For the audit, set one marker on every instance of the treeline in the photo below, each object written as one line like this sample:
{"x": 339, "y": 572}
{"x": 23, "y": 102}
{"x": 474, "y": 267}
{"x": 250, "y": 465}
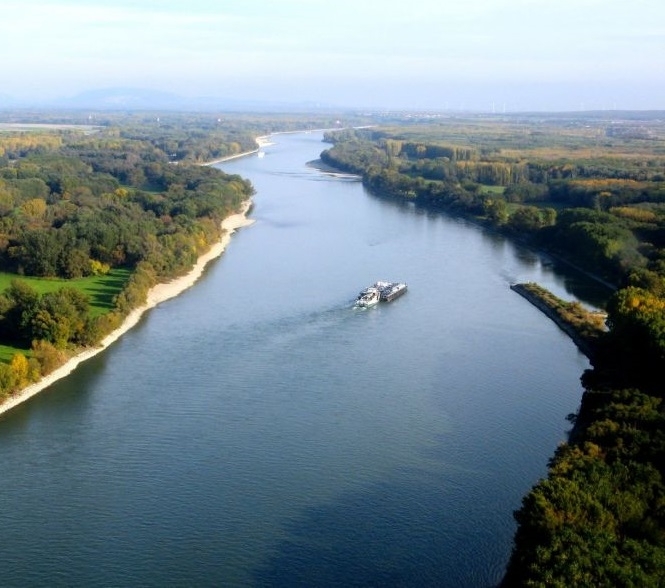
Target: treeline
{"x": 208, "y": 141}
{"x": 598, "y": 519}
{"x": 100, "y": 202}
{"x": 75, "y": 204}
{"x": 498, "y": 161}
{"x": 618, "y": 224}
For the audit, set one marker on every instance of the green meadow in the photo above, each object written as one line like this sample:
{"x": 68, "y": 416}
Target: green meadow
{"x": 101, "y": 291}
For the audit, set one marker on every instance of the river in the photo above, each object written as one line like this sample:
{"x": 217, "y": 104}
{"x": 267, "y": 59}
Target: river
{"x": 259, "y": 431}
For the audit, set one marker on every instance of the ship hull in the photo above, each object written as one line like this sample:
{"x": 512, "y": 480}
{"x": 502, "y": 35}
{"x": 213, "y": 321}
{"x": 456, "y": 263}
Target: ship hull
{"x": 395, "y": 294}
{"x": 380, "y": 292}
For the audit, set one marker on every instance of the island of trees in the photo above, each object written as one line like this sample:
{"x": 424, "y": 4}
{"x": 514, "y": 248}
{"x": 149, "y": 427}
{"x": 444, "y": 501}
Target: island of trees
{"x": 589, "y": 189}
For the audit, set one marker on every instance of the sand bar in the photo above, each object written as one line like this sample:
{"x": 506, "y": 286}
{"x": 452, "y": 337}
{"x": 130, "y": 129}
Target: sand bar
{"x": 157, "y": 294}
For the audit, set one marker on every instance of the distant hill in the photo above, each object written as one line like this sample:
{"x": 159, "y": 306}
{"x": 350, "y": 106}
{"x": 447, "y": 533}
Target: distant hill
{"x": 122, "y": 99}
{"x": 136, "y": 99}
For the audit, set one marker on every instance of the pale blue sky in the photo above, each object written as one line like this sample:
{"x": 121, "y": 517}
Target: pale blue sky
{"x": 436, "y": 54}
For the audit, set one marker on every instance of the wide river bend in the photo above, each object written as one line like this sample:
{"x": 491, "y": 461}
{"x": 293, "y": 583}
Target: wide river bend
{"x": 259, "y": 431}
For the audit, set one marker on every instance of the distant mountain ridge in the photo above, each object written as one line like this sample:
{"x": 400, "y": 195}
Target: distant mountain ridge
{"x": 142, "y": 99}
{"x": 122, "y": 99}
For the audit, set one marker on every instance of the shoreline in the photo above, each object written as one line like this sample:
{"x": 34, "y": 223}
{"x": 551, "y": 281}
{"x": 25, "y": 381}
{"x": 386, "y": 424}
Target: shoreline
{"x": 262, "y": 141}
{"x": 156, "y": 295}
{"x": 583, "y": 343}
{"x": 332, "y": 171}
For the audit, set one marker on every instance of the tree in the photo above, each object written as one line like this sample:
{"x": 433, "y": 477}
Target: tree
{"x": 47, "y": 355}
{"x": 526, "y": 219}
{"x": 34, "y": 208}
{"x": 496, "y": 210}
{"x": 18, "y": 303}
{"x": 14, "y": 375}
{"x": 61, "y": 317}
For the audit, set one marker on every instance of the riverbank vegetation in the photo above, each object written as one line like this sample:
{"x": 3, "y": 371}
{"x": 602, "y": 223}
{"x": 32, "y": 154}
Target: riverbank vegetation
{"x": 97, "y": 209}
{"x": 585, "y": 327}
{"x": 591, "y": 190}
{"x": 92, "y": 217}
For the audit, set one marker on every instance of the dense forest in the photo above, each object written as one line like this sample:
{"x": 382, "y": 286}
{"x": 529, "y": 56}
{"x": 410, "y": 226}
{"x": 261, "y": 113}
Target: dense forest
{"x": 96, "y": 209}
{"x": 590, "y": 190}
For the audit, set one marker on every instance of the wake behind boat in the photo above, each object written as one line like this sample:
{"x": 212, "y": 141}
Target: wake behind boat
{"x": 380, "y": 292}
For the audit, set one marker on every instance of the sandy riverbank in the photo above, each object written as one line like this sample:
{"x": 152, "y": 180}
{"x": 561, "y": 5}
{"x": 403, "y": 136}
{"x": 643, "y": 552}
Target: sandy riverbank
{"x": 156, "y": 295}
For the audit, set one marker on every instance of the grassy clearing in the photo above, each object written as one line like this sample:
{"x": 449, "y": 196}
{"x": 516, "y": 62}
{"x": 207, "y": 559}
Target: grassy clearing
{"x": 487, "y": 189}
{"x": 100, "y": 289}
{"x": 7, "y": 352}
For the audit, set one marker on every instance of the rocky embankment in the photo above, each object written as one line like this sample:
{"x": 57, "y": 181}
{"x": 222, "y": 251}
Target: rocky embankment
{"x": 583, "y": 326}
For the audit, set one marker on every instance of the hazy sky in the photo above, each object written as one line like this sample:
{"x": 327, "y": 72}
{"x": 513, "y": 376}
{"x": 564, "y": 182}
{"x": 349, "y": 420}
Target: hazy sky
{"x": 472, "y": 54}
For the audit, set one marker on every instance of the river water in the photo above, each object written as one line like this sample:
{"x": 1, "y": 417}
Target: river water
{"x": 259, "y": 431}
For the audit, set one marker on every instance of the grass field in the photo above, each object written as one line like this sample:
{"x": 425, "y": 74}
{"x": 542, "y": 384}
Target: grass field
{"x": 485, "y": 189}
{"x": 7, "y": 352}
{"x": 100, "y": 289}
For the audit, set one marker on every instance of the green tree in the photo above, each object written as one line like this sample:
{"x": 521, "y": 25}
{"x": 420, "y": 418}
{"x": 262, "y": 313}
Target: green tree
{"x": 18, "y": 304}
{"x": 496, "y": 210}
{"x": 61, "y": 317}
{"x": 526, "y": 219}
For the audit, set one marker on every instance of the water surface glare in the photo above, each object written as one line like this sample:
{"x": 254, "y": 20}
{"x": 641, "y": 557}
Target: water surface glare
{"x": 259, "y": 431}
